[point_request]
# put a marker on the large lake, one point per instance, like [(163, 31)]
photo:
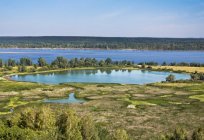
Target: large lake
[(100, 76), (132, 55)]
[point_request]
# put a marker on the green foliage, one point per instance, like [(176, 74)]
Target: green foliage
[(45, 68), (103, 43), (22, 68), (120, 134), (7, 86), (101, 63), (41, 119), (68, 126), (88, 129), (32, 69), (108, 61), (11, 63), (170, 78), (1, 63), (197, 76), (198, 134), (181, 134), (26, 62), (9, 68), (42, 62), (60, 62), (43, 123)]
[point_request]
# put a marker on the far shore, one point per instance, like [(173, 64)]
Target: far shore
[(17, 48)]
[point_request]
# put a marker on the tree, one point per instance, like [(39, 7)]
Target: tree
[(26, 62), (170, 78), (11, 63), (108, 61), (1, 63), (22, 68), (41, 62), (60, 62), (88, 62), (101, 63)]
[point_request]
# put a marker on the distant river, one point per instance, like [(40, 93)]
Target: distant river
[(131, 55)]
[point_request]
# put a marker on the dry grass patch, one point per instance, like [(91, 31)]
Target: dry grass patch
[(181, 68)]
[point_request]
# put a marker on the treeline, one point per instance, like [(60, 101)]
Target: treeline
[(41, 123), (60, 63), (103, 43)]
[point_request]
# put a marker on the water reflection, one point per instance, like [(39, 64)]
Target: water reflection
[(100, 76)]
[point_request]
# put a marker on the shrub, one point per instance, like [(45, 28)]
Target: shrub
[(170, 78), (198, 134), (120, 134), (197, 76), (22, 69)]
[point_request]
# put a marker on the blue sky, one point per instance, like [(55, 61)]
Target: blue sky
[(126, 18)]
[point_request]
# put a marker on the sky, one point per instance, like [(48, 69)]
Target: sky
[(110, 18)]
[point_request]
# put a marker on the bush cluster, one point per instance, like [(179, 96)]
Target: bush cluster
[(42, 123)]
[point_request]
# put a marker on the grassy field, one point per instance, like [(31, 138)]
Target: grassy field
[(159, 107), (180, 68)]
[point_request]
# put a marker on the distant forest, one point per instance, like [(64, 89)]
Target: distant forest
[(103, 43)]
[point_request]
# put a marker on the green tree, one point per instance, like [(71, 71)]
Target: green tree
[(88, 62), (42, 62), (60, 62), (170, 78), (1, 63), (26, 62), (11, 63), (22, 68), (101, 63), (94, 62), (108, 61)]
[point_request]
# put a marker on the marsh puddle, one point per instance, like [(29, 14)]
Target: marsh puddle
[(70, 100)]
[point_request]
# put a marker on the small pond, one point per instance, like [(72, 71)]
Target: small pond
[(70, 100), (100, 76)]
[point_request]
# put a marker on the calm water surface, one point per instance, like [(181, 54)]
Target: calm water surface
[(100, 76), (71, 99), (131, 55)]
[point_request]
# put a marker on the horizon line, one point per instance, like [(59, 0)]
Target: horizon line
[(101, 36)]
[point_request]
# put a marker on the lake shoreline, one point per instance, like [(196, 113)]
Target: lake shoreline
[(8, 76), (18, 48), (98, 75)]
